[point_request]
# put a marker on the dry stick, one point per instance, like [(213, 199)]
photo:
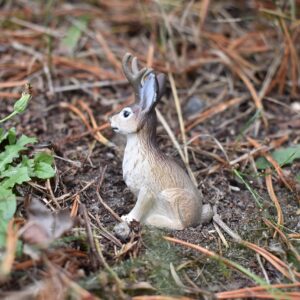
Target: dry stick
[(40, 57), (105, 233), (283, 237), (99, 138), (36, 27), (170, 32), (221, 235), (175, 143), (273, 162), (270, 74), (81, 190), (109, 54), (272, 259), (294, 57), (212, 255), (203, 13), (115, 215), (227, 61), (213, 111), (153, 297), (247, 155), (75, 206), (76, 137), (77, 64), (84, 294), (217, 219), (86, 85), (229, 231), (10, 84), (262, 268), (273, 197), (94, 254), (9, 95), (11, 245), (255, 292), (179, 114), (94, 123), (53, 198), (119, 283), (150, 55), (253, 93)]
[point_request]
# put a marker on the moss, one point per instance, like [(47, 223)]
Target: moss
[(154, 264)]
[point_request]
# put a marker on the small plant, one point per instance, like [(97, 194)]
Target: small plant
[(16, 167)]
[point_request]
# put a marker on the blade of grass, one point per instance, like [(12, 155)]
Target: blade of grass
[(217, 257), (253, 192), (260, 292), (175, 143), (179, 114), (284, 238), (277, 263), (273, 197)]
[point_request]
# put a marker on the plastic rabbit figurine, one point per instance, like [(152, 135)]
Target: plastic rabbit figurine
[(166, 196)]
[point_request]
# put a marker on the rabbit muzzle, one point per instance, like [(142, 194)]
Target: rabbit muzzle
[(113, 126)]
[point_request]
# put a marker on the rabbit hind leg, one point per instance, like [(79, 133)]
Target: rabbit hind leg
[(175, 209), (162, 221)]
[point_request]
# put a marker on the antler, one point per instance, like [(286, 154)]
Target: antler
[(133, 74)]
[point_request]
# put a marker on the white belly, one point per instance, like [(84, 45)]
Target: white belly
[(134, 169)]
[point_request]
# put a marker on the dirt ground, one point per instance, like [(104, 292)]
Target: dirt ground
[(236, 70)]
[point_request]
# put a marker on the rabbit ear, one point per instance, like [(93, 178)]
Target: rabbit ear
[(148, 92), (151, 90), (161, 79)]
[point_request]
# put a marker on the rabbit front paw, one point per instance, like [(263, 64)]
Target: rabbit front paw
[(127, 218)]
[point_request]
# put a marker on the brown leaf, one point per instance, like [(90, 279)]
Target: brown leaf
[(43, 226)]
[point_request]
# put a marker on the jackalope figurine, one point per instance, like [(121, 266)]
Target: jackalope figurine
[(166, 196)]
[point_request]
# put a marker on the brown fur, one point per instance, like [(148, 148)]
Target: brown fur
[(166, 196)]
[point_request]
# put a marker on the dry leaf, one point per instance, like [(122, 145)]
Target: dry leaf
[(43, 226)]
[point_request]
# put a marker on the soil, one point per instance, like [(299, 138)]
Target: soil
[(80, 160)]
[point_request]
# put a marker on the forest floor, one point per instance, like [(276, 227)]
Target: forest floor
[(235, 68)]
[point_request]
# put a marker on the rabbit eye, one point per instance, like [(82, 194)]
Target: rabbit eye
[(126, 113)]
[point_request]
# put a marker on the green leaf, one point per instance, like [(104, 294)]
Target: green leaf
[(8, 204), (283, 156), (74, 33), (15, 175), (29, 164), (12, 151), (1, 134), (10, 134), (42, 165), (43, 170), (3, 226), (43, 157), (298, 177)]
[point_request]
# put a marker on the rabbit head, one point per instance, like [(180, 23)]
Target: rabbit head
[(148, 89)]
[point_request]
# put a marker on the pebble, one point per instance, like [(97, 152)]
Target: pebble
[(194, 105), (295, 106), (122, 231)]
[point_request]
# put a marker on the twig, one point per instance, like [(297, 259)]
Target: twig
[(115, 215), (94, 254), (88, 85)]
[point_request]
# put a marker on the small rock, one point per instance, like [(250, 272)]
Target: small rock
[(194, 105), (295, 106), (122, 231)]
